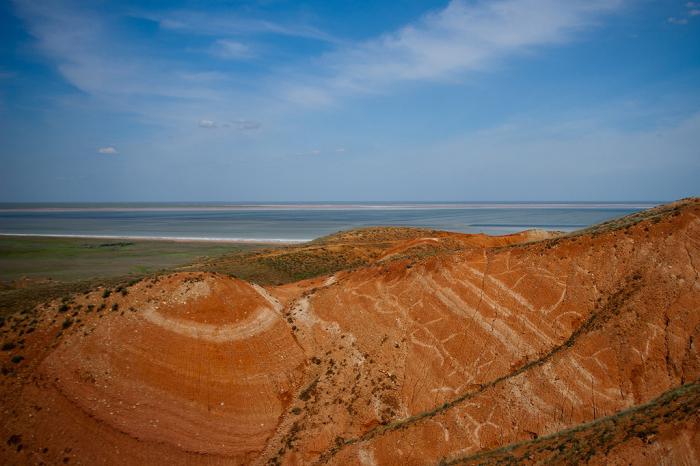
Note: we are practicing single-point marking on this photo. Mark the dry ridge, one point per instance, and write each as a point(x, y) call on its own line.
point(398, 346)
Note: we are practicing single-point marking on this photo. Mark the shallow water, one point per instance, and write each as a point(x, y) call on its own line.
point(294, 222)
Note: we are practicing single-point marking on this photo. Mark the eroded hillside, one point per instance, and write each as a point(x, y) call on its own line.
point(416, 348)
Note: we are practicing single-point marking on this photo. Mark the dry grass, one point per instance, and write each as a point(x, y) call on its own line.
point(341, 251)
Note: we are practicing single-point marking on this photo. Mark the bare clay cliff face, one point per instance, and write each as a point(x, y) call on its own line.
point(476, 350)
point(412, 360)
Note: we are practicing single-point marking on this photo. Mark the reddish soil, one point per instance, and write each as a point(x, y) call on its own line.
point(415, 359)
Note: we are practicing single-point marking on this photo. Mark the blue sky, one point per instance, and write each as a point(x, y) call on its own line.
point(325, 100)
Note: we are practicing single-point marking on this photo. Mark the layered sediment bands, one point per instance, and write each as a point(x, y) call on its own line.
point(665, 430)
point(472, 351)
point(446, 347)
point(202, 371)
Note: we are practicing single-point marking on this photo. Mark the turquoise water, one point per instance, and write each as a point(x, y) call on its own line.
point(294, 222)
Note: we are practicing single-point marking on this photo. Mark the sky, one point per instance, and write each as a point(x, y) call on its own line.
point(462, 100)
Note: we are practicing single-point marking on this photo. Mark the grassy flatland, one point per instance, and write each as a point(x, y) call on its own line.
point(68, 259)
point(35, 269)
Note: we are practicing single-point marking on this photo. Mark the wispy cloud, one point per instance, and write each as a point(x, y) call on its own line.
point(338, 150)
point(240, 124)
point(692, 10)
point(116, 73)
point(207, 124)
point(230, 50)
point(109, 150)
point(464, 36)
point(89, 52)
point(227, 24)
point(312, 152)
point(442, 45)
point(93, 57)
point(246, 125)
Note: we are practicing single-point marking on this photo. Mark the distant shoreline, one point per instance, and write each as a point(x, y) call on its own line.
point(204, 207)
point(176, 239)
point(290, 224)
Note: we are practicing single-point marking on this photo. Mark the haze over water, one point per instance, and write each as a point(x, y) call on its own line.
point(295, 221)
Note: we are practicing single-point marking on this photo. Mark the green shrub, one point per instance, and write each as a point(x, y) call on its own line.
point(7, 346)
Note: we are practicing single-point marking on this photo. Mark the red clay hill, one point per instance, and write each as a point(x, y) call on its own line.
point(439, 348)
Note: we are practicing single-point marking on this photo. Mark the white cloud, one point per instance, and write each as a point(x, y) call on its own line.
point(231, 50)
point(109, 150)
point(91, 55)
point(339, 150)
point(693, 10)
point(240, 124)
point(207, 124)
point(446, 44)
point(247, 125)
point(308, 95)
point(443, 45)
point(308, 153)
point(226, 24)
point(464, 36)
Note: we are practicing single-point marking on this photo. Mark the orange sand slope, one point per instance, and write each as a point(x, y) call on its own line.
point(573, 348)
